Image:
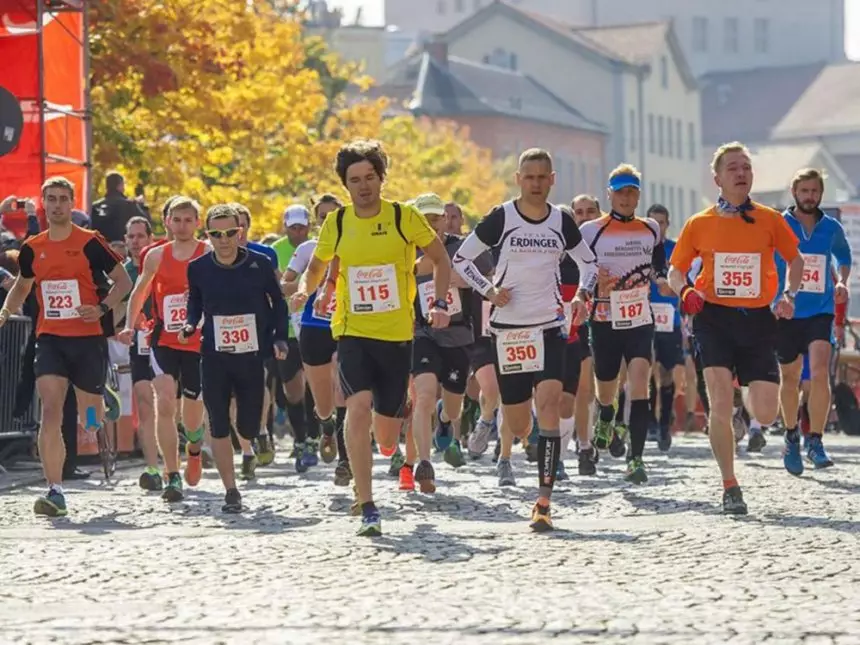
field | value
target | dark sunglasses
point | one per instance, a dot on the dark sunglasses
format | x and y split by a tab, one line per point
230	232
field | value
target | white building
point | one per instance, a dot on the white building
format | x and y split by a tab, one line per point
715	35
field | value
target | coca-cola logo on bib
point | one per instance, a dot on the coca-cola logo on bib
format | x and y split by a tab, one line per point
232	320
54	286
738	260
372	274
521	335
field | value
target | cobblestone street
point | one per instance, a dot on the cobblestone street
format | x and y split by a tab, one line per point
655	564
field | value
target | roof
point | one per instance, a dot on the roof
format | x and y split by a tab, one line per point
776	164
748	105
465	87
851	165
829	106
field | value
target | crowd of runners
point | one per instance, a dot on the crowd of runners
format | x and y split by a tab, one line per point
391	332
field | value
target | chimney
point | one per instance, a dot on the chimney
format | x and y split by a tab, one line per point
438	51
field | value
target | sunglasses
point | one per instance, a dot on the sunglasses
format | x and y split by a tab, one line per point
217	235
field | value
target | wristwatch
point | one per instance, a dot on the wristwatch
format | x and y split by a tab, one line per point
791	295
441	304
104	308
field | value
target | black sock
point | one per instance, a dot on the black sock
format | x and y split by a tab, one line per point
549	452
667	400
311	423
639	414
367	508
791	434
622	400
652	399
340	416
607	412
296	414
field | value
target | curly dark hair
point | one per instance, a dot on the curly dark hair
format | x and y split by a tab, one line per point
361	150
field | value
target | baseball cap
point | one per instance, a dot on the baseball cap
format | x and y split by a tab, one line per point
429	204
295	215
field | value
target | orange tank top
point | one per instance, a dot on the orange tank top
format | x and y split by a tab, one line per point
170	297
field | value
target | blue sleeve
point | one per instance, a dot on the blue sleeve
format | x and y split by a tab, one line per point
194	311
841	248
279	314
780	274
272	256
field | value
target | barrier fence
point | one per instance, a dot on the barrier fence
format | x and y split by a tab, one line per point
13	342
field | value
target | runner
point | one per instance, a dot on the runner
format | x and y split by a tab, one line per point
138	236
810	330
375	242
70	267
235	292
622	327
734	327
319	352
175	364
527	313
669	367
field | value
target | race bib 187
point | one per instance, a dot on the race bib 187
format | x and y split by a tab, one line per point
630	308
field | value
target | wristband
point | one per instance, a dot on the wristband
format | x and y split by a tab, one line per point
5	314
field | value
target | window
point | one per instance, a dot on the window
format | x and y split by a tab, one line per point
652	192
651	133
583	175
680	202
670	143
663	194
632	131
761	33
694	203
679	130
691	140
458	6
440	7
730	42
700	34
664	72
671	204
660	135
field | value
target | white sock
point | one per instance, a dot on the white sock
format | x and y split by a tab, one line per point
755	426
57	488
566	429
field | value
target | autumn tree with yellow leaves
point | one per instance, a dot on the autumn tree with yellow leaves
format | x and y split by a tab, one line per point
225	100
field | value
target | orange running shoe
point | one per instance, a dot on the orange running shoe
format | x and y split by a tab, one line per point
387	451
193	467
407	478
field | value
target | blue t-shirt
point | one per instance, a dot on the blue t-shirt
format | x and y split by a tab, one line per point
820	248
657	298
268	251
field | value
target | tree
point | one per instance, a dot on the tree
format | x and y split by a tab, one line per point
229	101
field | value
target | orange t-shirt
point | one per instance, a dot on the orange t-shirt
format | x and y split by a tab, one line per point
738	268
68	273
170	299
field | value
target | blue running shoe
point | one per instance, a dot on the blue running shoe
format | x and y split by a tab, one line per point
443	434
815	451
281	416
299	454
791	458
309	454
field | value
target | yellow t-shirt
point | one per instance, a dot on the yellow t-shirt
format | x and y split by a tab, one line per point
376	284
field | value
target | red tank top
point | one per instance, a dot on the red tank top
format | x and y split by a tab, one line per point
170	297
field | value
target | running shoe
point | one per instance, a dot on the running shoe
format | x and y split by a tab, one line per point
443	432
397	461
733	501
309	454
425	476
505	471
454	455
249	467
604	431
588	461
815	451
298	454
51	505
193	467
664	439
479	438
232	501
791	457
739	425
342	474
265	450
541	519
328	449
653	431
150	479
618	444
756	441
636	471
371	525
387	451
173	490
407	478
560	473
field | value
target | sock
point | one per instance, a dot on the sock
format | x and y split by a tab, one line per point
792	435
296	414
408	465
248	452
55	488
152	470
729	483
368	508
639	414
755	427
622	401
549	451
195	437
607	412
652	399
566	430
667	400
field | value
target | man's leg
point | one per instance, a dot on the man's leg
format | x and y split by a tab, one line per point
721	393
820	354
638	377
70	437
425	386
52	452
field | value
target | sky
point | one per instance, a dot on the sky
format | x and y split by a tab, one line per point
373	15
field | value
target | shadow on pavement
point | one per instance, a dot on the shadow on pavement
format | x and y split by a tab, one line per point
433	546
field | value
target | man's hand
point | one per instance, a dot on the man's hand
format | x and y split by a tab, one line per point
298	301
840	293
184	334
126	336
664	288
281	350
323	302
438	318
90	313
692	302
784	308
499	297
579	309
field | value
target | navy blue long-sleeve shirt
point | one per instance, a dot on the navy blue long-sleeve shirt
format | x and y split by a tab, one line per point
248	286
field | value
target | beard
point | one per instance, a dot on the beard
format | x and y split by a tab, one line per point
808	207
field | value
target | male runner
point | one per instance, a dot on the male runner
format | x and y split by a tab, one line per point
622	327
810	330
734	328
375	242
174	363
235	292
69	266
527	313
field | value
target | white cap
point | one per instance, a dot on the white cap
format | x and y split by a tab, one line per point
296	214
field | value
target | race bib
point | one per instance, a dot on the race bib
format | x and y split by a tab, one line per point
61	299
485	315
737	275
814	273
427	294
175	311
329	310
520	350
373	289
630	308
664	316
236	334
143	342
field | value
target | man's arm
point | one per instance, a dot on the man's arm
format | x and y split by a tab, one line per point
194	309
312	277
441	267
278	308
677	279
15	298
120	287
142	287
289	282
